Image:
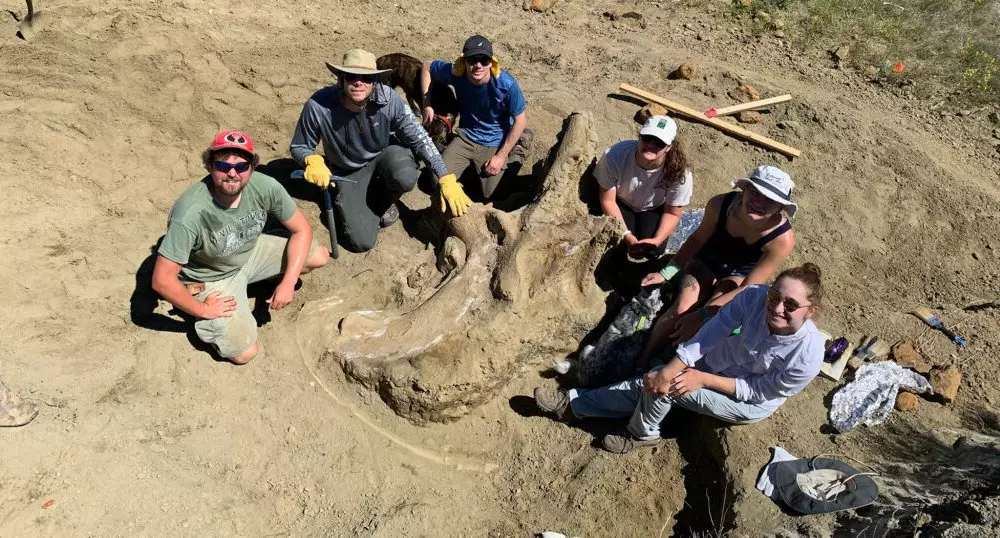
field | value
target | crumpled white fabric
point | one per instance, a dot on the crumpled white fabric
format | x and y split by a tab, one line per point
870	397
765	484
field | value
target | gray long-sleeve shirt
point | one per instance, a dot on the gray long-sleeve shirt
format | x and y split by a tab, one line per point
768	368
353	139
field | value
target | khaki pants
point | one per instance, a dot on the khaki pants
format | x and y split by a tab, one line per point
462	153
233	335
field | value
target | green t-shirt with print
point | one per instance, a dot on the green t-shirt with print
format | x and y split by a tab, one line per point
212	242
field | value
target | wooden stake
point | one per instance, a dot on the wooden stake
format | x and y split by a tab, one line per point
752	105
728	128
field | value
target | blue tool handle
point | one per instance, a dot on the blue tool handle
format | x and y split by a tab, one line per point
954	337
331	224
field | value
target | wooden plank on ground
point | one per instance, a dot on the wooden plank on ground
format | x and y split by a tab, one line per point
752	105
726	127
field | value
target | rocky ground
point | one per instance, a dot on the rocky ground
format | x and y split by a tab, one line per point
104	115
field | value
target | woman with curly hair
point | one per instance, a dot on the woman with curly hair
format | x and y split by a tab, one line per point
646	183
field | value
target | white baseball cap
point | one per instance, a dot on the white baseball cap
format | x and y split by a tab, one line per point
774	183
662	127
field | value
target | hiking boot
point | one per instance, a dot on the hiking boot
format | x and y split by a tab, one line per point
554	401
390	217
523	145
623	442
13	410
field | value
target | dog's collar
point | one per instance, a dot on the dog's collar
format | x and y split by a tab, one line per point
444	119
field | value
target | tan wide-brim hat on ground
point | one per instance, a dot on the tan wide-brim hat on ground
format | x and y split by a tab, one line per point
358	62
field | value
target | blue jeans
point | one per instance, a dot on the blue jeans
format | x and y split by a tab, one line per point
629	398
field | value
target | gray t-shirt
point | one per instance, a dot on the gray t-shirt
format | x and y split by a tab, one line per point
353	139
635	186
213	243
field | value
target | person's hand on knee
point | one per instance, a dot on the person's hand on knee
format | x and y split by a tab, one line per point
494	165
657	382
686	382
216	306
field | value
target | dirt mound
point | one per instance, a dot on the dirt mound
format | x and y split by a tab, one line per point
464	339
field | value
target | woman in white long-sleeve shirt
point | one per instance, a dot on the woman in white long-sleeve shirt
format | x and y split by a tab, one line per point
739	379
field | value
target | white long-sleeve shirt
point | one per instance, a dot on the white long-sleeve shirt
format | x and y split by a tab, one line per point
768	368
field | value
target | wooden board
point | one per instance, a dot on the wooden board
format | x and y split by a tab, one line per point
752	105
726	127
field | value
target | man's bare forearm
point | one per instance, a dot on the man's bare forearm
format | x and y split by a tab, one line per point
297	250
520	122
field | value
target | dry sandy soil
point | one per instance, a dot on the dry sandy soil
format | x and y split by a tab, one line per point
103	117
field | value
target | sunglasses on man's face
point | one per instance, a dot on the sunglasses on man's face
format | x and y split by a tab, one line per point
224	167
791	305
353	77
652	141
479	60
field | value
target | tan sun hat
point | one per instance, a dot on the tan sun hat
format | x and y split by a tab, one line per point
358	62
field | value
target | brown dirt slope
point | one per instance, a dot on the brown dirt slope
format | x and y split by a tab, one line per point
104	115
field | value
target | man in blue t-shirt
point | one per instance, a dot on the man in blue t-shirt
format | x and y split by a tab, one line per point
491	111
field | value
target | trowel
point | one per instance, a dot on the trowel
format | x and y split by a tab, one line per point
31	24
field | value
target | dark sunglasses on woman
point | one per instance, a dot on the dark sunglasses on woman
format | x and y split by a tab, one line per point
652	141
791	305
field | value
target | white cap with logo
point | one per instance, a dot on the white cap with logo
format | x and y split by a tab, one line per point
662	127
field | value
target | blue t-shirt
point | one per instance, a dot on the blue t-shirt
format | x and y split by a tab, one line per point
486	111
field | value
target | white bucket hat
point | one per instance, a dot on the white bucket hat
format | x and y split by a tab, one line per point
357	62
774	183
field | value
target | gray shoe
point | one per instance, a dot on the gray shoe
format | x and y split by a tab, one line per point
624	442
523	145
555	402
390	217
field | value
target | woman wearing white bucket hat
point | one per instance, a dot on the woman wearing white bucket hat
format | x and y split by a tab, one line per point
742	241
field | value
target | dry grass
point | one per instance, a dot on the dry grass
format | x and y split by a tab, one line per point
949	49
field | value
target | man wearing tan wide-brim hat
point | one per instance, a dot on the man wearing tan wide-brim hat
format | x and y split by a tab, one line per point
369	140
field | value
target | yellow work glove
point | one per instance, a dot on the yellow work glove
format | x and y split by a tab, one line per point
316	171
453	196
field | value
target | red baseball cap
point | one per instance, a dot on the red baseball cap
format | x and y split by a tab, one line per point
233	140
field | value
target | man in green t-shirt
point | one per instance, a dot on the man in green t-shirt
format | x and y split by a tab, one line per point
214	248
